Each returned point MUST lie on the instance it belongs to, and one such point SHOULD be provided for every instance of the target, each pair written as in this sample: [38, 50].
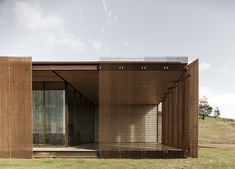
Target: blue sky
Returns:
[88, 29]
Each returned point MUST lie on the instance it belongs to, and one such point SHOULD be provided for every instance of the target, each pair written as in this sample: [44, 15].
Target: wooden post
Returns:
[66, 115]
[157, 124]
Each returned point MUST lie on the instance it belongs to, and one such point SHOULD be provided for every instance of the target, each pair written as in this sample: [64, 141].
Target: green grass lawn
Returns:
[208, 158]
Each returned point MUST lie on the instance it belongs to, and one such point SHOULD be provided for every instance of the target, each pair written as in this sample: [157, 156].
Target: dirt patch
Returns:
[222, 146]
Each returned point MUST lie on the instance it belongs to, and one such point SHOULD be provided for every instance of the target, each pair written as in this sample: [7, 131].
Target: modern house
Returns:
[109, 108]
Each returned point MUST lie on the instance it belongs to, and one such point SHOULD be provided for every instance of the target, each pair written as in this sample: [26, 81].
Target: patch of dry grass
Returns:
[217, 130]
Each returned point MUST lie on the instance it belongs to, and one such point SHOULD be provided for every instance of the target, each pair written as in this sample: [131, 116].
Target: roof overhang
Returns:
[153, 77]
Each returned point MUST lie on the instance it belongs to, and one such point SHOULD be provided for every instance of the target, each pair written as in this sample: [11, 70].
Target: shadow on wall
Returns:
[129, 123]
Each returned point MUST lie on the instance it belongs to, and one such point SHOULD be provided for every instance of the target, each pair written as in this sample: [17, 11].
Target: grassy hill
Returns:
[216, 131]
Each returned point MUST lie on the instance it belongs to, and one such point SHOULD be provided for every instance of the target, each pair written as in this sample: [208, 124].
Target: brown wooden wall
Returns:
[191, 109]
[124, 116]
[128, 98]
[172, 117]
[180, 112]
[15, 107]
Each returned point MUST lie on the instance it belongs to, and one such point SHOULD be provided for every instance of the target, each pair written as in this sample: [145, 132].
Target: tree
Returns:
[204, 108]
[216, 112]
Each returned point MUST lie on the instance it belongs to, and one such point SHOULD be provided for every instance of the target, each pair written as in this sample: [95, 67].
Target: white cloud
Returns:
[105, 6]
[115, 18]
[221, 68]
[225, 101]
[203, 91]
[126, 43]
[204, 66]
[109, 17]
[97, 44]
[31, 15]
[47, 28]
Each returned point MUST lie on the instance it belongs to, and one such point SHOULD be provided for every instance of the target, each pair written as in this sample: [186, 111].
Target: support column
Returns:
[66, 115]
[157, 124]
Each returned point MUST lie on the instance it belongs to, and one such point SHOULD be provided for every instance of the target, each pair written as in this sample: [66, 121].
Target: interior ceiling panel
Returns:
[135, 87]
[116, 87]
[84, 81]
[41, 76]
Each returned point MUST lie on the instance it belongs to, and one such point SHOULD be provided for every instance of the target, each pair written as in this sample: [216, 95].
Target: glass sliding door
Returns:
[49, 117]
[55, 117]
[38, 117]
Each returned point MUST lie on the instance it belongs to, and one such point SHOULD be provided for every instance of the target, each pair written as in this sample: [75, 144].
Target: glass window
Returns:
[49, 117]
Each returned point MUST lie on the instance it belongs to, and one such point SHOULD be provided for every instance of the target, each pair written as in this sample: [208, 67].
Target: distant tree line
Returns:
[205, 110]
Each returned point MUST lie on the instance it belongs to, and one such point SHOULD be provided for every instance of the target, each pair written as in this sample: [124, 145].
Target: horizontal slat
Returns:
[67, 67]
[143, 67]
[64, 154]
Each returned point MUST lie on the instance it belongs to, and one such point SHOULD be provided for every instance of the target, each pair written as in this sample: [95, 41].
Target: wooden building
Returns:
[118, 109]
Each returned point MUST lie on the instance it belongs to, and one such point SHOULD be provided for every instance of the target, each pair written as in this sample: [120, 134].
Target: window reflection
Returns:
[49, 117]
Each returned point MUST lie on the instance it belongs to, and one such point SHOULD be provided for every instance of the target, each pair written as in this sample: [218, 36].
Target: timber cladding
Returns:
[128, 101]
[180, 112]
[15, 107]
[125, 110]
[191, 109]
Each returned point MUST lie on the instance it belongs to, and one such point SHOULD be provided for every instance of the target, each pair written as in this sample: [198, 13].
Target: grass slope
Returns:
[217, 131]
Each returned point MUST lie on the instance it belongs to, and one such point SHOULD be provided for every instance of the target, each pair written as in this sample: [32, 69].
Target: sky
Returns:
[90, 29]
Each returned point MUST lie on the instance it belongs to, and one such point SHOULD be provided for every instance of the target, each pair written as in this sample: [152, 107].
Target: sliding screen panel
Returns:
[124, 115]
[15, 109]
[191, 109]
[21, 107]
[4, 108]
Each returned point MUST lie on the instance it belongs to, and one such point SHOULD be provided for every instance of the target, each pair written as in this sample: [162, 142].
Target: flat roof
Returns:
[102, 62]
[120, 60]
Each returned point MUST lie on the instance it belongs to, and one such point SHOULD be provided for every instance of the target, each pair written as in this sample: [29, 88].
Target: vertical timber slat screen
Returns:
[191, 112]
[4, 109]
[180, 112]
[124, 116]
[15, 107]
